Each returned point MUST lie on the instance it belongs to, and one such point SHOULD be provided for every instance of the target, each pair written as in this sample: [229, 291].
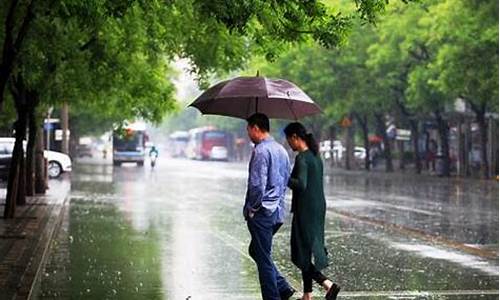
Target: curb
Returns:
[46, 248]
[29, 254]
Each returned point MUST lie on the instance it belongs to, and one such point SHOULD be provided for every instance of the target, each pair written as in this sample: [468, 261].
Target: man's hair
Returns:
[259, 120]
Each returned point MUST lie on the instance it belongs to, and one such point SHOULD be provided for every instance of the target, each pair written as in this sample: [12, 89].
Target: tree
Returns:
[466, 34]
[391, 59]
[115, 55]
[17, 18]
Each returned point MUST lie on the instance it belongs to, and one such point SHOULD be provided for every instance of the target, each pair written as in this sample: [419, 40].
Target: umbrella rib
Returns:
[249, 104]
[265, 87]
[289, 102]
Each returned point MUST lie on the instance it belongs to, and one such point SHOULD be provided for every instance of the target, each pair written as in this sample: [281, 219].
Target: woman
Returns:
[308, 208]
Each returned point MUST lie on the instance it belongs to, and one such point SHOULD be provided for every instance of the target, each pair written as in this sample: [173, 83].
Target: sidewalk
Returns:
[25, 239]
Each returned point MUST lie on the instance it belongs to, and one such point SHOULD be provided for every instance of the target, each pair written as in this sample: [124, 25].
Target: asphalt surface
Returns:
[177, 232]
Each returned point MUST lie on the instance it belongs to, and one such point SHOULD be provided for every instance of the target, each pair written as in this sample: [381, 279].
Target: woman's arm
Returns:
[299, 181]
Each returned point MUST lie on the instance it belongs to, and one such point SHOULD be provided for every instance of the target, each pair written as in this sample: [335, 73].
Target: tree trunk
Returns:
[483, 130]
[461, 148]
[21, 189]
[401, 150]
[12, 183]
[468, 147]
[493, 125]
[65, 128]
[14, 196]
[40, 168]
[332, 137]
[405, 112]
[445, 145]
[363, 122]
[73, 142]
[30, 153]
[416, 147]
[349, 145]
[382, 131]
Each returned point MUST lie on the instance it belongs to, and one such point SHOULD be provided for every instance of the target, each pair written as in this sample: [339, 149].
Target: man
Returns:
[153, 155]
[264, 210]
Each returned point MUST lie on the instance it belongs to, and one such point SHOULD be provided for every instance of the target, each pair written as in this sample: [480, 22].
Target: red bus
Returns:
[208, 143]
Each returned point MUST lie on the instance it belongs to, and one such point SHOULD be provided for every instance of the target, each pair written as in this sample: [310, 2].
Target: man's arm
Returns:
[257, 181]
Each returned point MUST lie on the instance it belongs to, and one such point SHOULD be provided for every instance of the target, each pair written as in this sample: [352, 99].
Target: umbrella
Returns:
[241, 97]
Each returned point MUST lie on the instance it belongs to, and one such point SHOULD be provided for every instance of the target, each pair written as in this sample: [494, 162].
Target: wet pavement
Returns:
[176, 232]
[25, 239]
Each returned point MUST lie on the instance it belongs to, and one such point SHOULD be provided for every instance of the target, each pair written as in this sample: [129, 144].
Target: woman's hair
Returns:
[299, 130]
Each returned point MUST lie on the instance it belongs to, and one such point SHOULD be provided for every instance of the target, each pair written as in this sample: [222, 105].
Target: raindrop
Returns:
[71, 239]
[47, 274]
[114, 291]
[88, 290]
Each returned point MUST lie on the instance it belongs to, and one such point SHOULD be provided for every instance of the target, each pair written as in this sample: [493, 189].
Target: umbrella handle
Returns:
[257, 98]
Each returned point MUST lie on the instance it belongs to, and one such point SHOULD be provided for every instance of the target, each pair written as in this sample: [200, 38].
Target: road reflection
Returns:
[176, 232]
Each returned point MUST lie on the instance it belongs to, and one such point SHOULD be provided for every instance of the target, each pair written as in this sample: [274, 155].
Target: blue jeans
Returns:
[262, 228]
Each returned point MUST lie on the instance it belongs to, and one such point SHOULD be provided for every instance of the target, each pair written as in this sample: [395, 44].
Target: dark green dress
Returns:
[308, 208]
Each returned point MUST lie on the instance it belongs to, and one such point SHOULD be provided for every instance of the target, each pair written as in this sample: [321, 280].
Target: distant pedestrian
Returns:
[309, 209]
[431, 155]
[264, 209]
[373, 155]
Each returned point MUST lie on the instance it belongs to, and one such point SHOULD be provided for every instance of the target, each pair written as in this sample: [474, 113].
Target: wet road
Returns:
[177, 233]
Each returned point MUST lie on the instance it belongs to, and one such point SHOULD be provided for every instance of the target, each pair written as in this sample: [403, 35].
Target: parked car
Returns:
[359, 152]
[4, 166]
[58, 163]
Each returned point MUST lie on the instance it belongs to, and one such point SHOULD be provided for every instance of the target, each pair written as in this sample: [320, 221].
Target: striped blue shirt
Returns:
[269, 171]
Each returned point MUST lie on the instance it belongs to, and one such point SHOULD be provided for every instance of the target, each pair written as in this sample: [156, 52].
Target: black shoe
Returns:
[332, 292]
[287, 294]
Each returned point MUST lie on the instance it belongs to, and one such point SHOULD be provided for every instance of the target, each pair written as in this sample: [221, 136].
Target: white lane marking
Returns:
[413, 294]
[360, 202]
[465, 260]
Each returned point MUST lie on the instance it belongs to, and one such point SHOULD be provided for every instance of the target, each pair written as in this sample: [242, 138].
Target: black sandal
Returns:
[332, 292]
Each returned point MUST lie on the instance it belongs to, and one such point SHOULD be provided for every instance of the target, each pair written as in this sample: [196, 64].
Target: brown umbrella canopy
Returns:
[241, 97]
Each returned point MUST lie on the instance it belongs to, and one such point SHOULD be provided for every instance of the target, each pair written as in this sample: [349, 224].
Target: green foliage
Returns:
[110, 59]
[466, 33]
[420, 55]
[334, 78]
